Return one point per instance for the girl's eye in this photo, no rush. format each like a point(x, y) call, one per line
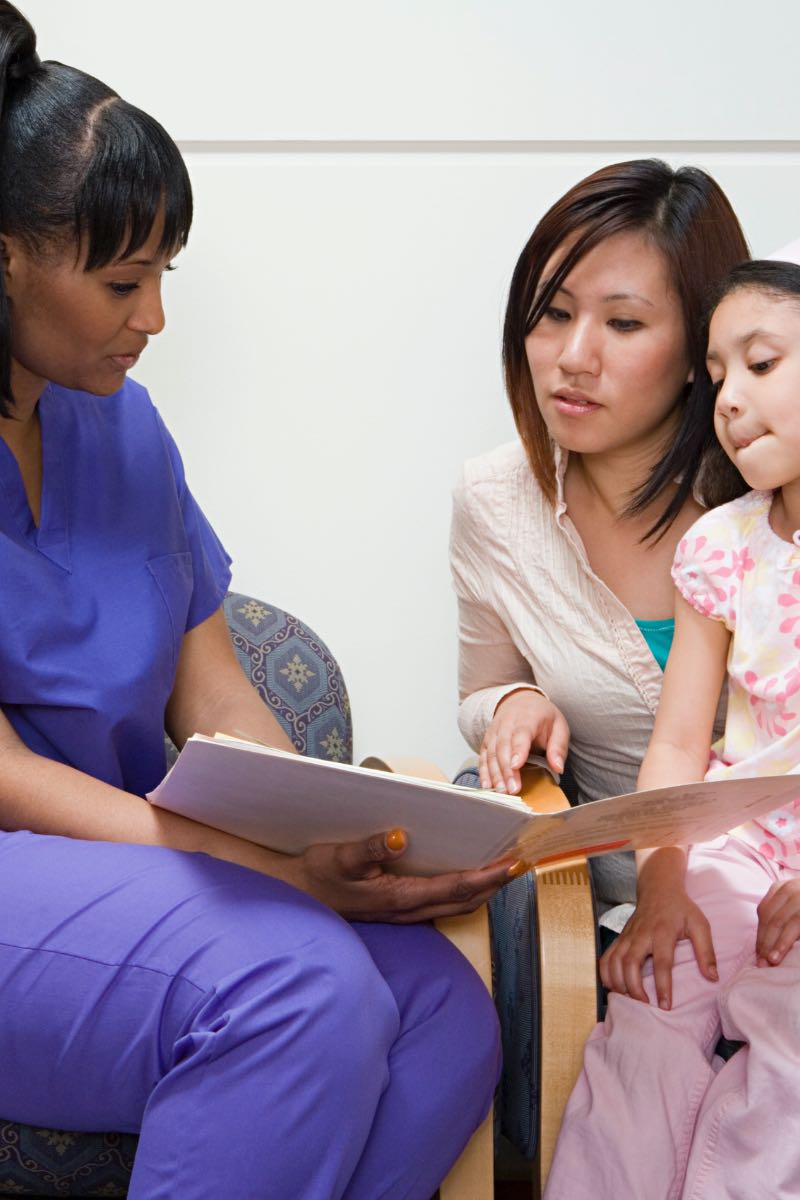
point(123, 289)
point(761, 368)
point(555, 314)
point(624, 325)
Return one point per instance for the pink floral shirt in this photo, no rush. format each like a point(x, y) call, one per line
point(732, 567)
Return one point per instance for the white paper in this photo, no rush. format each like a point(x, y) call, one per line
point(288, 802)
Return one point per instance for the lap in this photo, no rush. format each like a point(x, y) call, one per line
point(108, 949)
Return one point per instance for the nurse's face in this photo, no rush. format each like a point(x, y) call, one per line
point(81, 329)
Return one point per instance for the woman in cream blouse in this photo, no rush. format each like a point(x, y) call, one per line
point(562, 541)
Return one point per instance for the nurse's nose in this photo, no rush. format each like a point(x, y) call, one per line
point(148, 314)
point(580, 351)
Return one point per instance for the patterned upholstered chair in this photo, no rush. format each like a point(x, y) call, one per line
point(299, 680)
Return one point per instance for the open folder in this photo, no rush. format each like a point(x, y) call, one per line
point(289, 802)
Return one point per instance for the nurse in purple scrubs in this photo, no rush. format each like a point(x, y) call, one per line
point(156, 975)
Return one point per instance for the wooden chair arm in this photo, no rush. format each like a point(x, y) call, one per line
point(567, 971)
point(472, 1176)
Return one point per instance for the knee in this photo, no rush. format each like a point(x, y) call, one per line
point(760, 1002)
point(459, 1015)
point(322, 994)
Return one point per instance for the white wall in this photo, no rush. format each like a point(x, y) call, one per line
point(365, 174)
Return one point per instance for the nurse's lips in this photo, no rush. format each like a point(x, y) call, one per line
point(125, 361)
point(571, 401)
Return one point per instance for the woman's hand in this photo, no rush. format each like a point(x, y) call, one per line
point(522, 719)
point(353, 879)
point(663, 917)
point(778, 922)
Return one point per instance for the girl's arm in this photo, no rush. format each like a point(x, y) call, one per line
point(211, 692)
point(677, 753)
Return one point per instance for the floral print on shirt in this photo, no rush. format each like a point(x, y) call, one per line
point(732, 567)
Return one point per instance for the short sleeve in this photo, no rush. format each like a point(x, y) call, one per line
point(707, 563)
point(211, 564)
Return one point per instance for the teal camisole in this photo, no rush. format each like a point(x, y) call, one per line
point(658, 635)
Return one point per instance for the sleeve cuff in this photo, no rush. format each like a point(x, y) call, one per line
point(477, 710)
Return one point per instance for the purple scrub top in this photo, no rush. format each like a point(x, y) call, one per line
point(95, 601)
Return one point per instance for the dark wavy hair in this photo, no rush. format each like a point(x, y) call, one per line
point(690, 219)
point(78, 167)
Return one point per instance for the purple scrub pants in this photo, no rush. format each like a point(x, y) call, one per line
point(259, 1044)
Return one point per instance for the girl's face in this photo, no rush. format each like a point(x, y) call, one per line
point(609, 359)
point(754, 362)
point(82, 329)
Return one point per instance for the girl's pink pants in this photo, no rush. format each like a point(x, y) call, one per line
point(650, 1117)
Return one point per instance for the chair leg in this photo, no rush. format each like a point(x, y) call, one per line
point(472, 1176)
point(567, 972)
point(568, 1000)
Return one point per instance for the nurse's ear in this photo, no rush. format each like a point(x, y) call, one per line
point(13, 257)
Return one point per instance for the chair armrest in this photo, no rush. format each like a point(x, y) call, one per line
point(567, 950)
point(472, 1176)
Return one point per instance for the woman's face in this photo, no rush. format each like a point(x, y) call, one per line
point(82, 329)
point(609, 358)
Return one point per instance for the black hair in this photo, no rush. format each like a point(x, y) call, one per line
point(780, 280)
point(79, 167)
point(771, 275)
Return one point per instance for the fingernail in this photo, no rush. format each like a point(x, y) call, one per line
point(558, 762)
point(712, 970)
point(512, 785)
point(663, 1002)
point(515, 760)
point(774, 955)
point(499, 787)
point(517, 868)
point(396, 840)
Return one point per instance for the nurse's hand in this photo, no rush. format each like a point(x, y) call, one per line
point(353, 879)
point(521, 720)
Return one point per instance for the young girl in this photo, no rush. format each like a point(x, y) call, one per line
point(713, 944)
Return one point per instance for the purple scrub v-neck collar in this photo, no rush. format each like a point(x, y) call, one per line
point(51, 537)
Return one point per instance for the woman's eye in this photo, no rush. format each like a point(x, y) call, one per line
point(624, 325)
point(555, 314)
point(123, 289)
point(761, 368)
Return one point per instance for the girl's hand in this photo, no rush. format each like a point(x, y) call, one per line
point(522, 719)
point(662, 919)
point(778, 922)
point(352, 879)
